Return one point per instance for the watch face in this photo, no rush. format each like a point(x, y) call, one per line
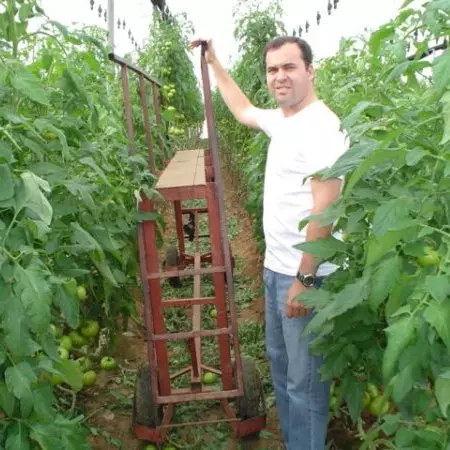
point(308, 280)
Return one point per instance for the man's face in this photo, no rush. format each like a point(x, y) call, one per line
point(288, 78)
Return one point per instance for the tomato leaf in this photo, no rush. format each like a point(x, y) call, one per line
point(71, 372)
point(442, 392)
point(7, 399)
point(18, 380)
point(384, 279)
point(30, 86)
point(438, 286)
point(399, 335)
point(324, 248)
point(44, 125)
point(43, 401)
point(353, 397)
point(438, 316)
point(404, 437)
point(34, 292)
point(69, 306)
point(6, 183)
point(17, 437)
point(389, 214)
point(414, 156)
point(446, 116)
point(441, 71)
point(374, 159)
point(352, 295)
point(379, 36)
point(17, 335)
point(378, 247)
point(402, 383)
point(29, 195)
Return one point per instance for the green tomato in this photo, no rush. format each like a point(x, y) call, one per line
point(171, 108)
point(81, 293)
point(108, 363)
point(89, 378)
point(56, 331)
point(65, 342)
point(379, 406)
point(62, 353)
point(213, 313)
point(209, 378)
point(90, 329)
point(57, 379)
point(77, 340)
point(150, 447)
point(85, 363)
point(373, 390)
point(366, 399)
point(430, 258)
point(333, 403)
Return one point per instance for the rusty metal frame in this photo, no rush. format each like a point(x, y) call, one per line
point(143, 77)
point(219, 262)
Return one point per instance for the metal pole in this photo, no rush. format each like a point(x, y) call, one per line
point(111, 24)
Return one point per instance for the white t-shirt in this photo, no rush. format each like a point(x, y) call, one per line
point(300, 145)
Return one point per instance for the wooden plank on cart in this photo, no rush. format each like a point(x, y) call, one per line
point(184, 177)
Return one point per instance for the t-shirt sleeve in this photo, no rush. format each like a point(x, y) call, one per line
point(266, 119)
point(328, 148)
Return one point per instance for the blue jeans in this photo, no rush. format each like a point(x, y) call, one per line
point(302, 398)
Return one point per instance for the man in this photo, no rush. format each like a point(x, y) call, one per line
point(305, 137)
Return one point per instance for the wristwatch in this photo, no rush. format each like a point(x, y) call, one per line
point(307, 280)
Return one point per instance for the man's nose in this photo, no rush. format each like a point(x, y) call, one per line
point(281, 75)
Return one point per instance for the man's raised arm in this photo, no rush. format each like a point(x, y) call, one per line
point(232, 95)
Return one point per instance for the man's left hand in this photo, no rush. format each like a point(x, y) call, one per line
point(294, 308)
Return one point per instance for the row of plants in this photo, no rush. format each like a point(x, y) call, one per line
point(386, 307)
point(68, 211)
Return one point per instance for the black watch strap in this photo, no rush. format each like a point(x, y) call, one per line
point(308, 280)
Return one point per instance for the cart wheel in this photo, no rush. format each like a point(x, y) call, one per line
point(252, 403)
point(172, 262)
point(146, 413)
point(233, 262)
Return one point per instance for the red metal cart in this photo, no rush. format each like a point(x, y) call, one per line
point(191, 174)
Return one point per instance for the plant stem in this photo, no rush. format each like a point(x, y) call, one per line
point(11, 5)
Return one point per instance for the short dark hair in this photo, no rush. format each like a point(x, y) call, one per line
point(278, 42)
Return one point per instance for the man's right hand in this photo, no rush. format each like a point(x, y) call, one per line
point(210, 54)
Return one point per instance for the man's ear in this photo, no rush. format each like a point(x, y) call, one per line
point(312, 72)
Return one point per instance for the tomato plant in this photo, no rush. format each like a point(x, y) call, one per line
point(386, 307)
point(382, 319)
point(166, 58)
point(67, 219)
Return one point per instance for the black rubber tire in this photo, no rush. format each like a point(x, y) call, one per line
point(252, 403)
point(146, 413)
point(172, 262)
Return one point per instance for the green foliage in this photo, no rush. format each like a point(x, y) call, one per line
point(386, 307)
point(67, 215)
point(166, 58)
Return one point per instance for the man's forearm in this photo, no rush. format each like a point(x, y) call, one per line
point(324, 195)
point(231, 93)
point(309, 262)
